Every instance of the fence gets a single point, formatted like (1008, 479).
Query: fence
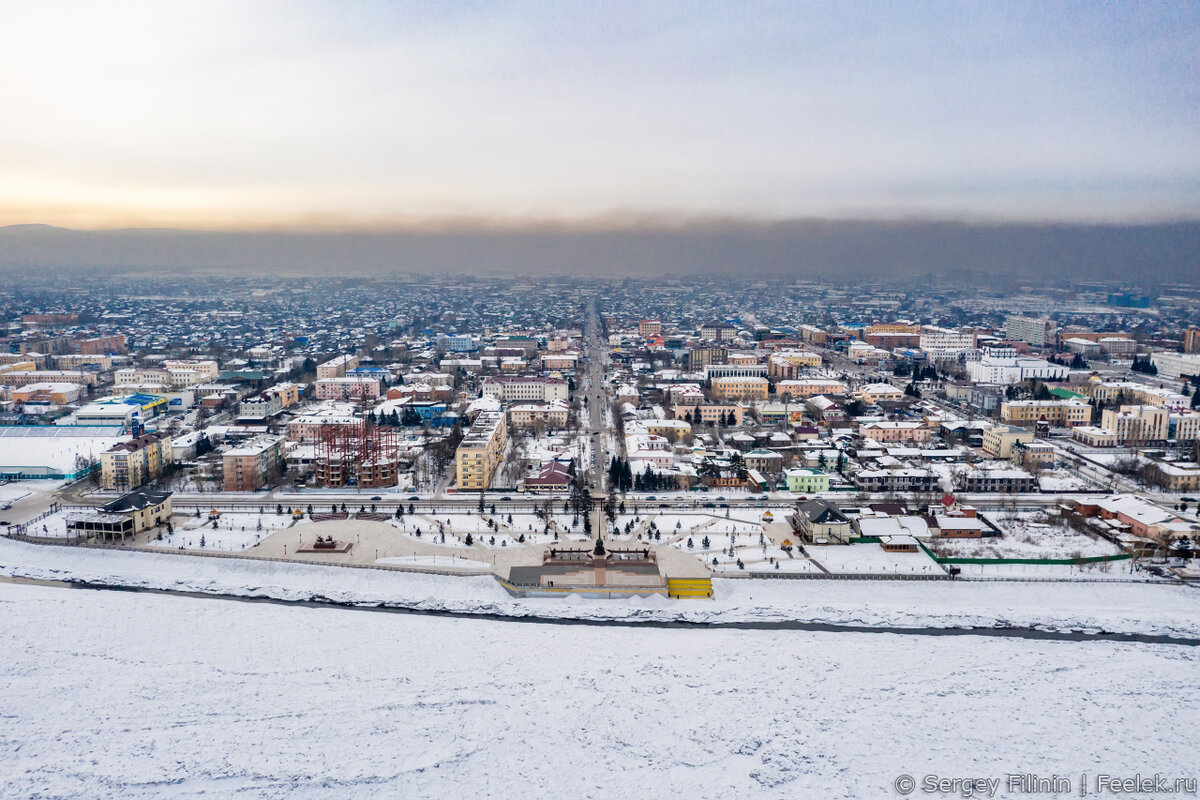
(821, 576)
(24, 526)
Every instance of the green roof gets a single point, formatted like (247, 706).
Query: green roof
(1065, 394)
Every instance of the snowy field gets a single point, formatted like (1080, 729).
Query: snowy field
(111, 694)
(871, 558)
(1123, 607)
(1030, 534)
(438, 562)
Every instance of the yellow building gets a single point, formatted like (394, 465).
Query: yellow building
(670, 429)
(1137, 423)
(709, 414)
(289, 394)
(649, 327)
(126, 516)
(1134, 394)
(740, 388)
(880, 392)
(1178, 477)
(1059, 413)
(998, 440)
(130, 464)
(480, 451)
(810, 387)
(552, 415)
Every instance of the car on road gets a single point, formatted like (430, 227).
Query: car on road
(376, 497)
(710, 505)
(414, 497)
(1184, 499)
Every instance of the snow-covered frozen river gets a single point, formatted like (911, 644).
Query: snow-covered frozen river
(111, 694)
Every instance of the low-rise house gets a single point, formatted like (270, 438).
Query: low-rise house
(806, 481)
(821, 522)
(895, 431)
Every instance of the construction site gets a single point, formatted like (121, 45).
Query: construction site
(360, 454)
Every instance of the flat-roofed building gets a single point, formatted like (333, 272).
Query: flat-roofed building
(1058, 413)
(1138, 424)
(24, 377)
(945, 342)
(336, 367)
(525, 387)
(552, 415)
(1094, 436)
(480, 451)
(809, 387)
(52, 393)
(1037, 331)
(715, 413)
(130, 464)
(895, 431)
(999, 440)
(1175, 365)
(102, 363)
(250, 466)
(740, 388)
(879, 392)
(102, 345)
(347, 388)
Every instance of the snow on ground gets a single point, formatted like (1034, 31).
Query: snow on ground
(113, 694)
(734, 526)
(439, 562)
(686, 522)
(524, 523)
(233, 521)
(234, 531)
(1027, 539)
(871, 558)
(1061, 480)
(1103, 570)
(1124, 607)
(13, 491)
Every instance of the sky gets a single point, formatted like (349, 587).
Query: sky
(373, 115)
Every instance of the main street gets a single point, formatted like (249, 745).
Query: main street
(595, 359)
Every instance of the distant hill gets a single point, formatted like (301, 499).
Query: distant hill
(803, 248)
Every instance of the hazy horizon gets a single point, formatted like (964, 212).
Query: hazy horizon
(799, 248)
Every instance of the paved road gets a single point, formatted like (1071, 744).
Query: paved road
(595, 351)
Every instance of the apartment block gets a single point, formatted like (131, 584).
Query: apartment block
(336, 367)
(999, 440)
(250, 466)
(480, 452)
(649, 327)
(347, 388)
(130, 464)
(1037, 331)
